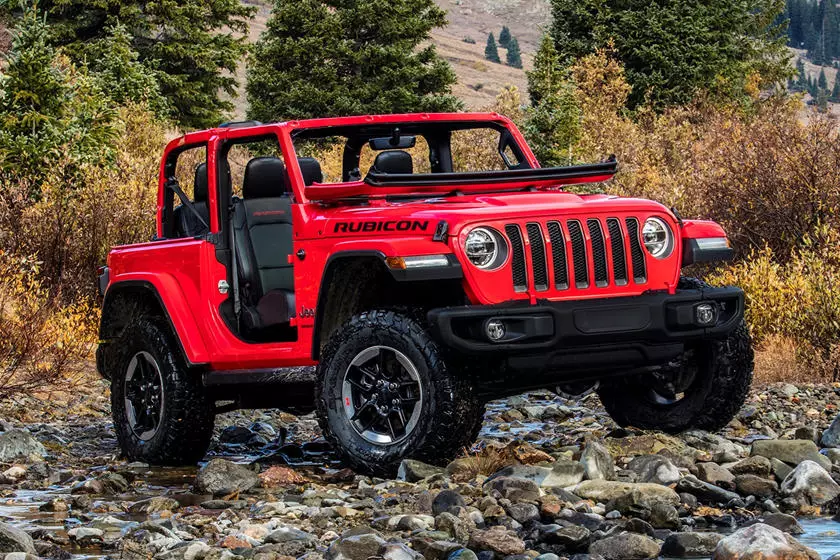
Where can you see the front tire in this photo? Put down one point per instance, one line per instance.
(162, 414)
(704, 390)
(384, 393)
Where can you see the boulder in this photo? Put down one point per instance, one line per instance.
(412, 470)
(811, 484)
(499, 540)
(752, 485)
(715, 474)
(762, 542)
(790, 451)
(780, 521)
(221, 477)
(561, 474)
(757, 465)
(627, 546)
(608, 490)
(597, 462)
(690, 545)
(445, 500)
(514, 489)
(831, 437)
(655, 469)
(704, 491)
(574, 538)
(355, 547)
(17, 445)
(809, 433)
(13, 539)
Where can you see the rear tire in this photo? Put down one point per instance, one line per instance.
(429, 413)
(162, 414)
(723, 372)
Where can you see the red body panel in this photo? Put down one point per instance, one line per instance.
(186, 272)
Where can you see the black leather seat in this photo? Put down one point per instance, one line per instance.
(186, 222)
(311, 170)
(393, 162)
(262, 223)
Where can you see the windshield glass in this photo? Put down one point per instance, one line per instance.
(357, 153)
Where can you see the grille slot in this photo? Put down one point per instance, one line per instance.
(578, 254)
(618, 257)
(599, 252)
(558, 255)
(538, 259)
(517, 248)
(636, 254)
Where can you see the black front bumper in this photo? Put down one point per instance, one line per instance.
(616, 334)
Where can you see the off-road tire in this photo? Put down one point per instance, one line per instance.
(710, 402)
(186, 425)
(451, 413)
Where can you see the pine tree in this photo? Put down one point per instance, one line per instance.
(731, 41)
(192, 46)
(504, 37)
(491, 52)
(514, 57)
(332, 57)
(51, 114)
(552, 125)
(835, 91)
(822, 82)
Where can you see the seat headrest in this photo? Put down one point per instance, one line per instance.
(200, 183)
(311, 170)
(265, 177)
(392, 162)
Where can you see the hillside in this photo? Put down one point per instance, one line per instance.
(479, 81)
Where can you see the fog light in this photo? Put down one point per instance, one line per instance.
(495, 330)
(705, 314)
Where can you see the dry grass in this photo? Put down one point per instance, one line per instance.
(777, 359)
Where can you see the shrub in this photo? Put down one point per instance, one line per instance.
(42, 344)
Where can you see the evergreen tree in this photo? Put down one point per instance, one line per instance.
(504, 36)
(193, 47)
(51, 114)
(822, 82)
(552, 123)
(491, 53)
(335, 57)
(835, 91)
(731, 42)
(514, 56)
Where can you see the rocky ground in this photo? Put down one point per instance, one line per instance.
(549, 479)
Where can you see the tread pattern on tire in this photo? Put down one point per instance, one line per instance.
(730, 375)
(456, 412)
(189, 415)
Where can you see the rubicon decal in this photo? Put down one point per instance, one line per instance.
(367, 227)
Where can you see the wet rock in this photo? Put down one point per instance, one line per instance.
(655, 469)
(752, 485)
(224, 504)
(690, 545)
(154, 505)
(108, 483)
(514, 489)
(413, 471)
(757, 465)
(499, 540)
(221, 477)
(605, 491)
(627, 546)
(715, 474)
(561, 474)
(446, 500)
(762, 542)
(705, 492)
(355, 547)
(597, 462)
(831, 437)
(792, 451)
(20, 445)
(811, 484)
(86, 536)
(573, 538)
(780, 521)
(13, 539)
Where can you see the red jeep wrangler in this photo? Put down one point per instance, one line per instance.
(439, 268)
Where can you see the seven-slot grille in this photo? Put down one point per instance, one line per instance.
(611, 255)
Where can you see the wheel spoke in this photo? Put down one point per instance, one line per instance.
(361, 410)
(360, 386)
(391, 428)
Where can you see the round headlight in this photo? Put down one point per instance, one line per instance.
(485, 248)
(656, 235)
